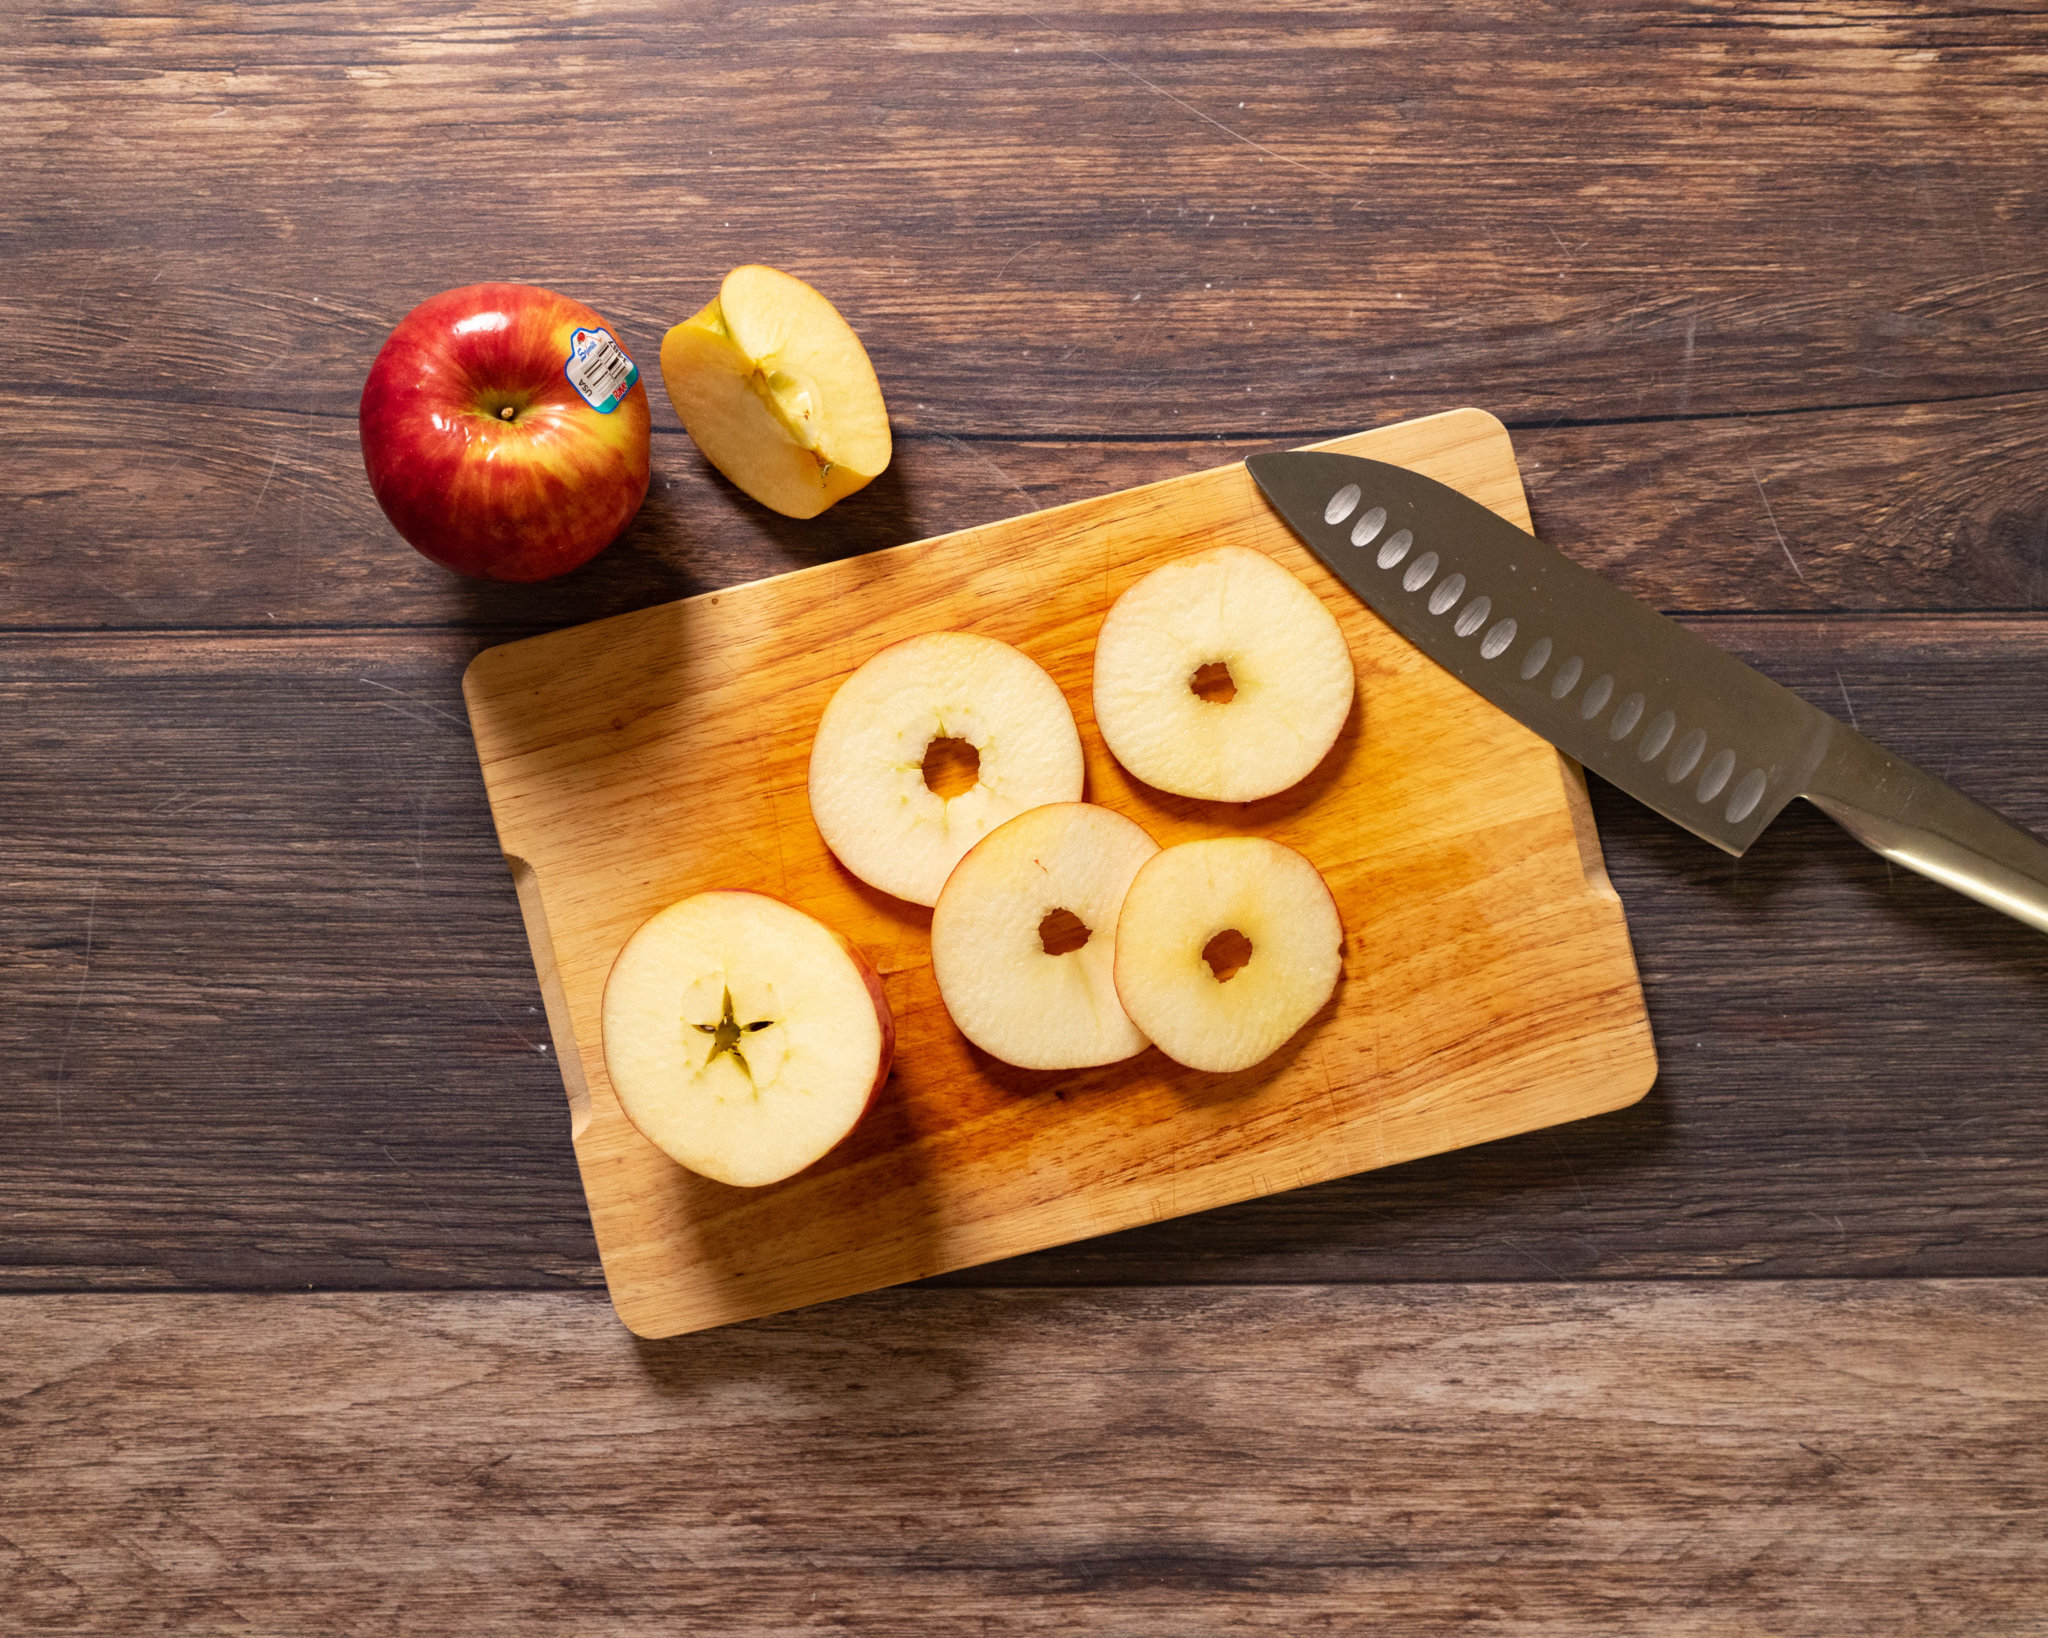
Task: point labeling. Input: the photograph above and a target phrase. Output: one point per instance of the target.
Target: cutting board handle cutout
(556, 999)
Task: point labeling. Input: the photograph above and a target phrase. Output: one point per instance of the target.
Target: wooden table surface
(302, 1327)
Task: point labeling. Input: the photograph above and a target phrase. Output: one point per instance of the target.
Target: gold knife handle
(1914, 819)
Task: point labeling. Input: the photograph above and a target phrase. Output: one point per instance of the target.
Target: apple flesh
(1221, 676)
(878, 796)
(1025, 934)
(481, 449)
(744, 1039)
(1225, 948)
(777, 391)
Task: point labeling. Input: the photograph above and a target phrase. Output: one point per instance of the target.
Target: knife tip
(1265, 468)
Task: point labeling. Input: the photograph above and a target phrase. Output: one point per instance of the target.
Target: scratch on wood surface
(991, 465)
(1780, 533)
(1521, 1250)
(92, 906)
(411, 700)
(427, 1196)
(1161, 91)
(1573, 1170)
(1692, 329)
(274, 459)
(187, 807)
(517, 1033)
(1021, 250)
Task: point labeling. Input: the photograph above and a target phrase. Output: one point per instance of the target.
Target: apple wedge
(1024, 937)
(1226, 947)
(927, 748)
(778, 393)
(1221, 676)
(744, 1038)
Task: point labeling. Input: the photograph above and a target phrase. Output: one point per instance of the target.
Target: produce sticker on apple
(599, 370)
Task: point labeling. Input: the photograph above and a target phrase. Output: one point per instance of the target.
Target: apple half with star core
(1225, 948)
(778, 392)
(1221, 676)
(1024, 937)
(928, 747)
(743, 1038)
(505, 431)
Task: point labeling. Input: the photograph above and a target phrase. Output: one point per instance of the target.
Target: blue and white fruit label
(599, 370)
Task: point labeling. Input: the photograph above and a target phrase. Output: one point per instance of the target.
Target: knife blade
(1674, 720)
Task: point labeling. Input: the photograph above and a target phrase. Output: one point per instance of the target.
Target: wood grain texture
(1763, 292)
(243, 880)
(1488, 986)
(1208, 218)
(1805, 1458)
(272, 1018)
(233, 518)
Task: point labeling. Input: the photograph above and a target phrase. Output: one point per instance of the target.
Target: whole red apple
(505, 431)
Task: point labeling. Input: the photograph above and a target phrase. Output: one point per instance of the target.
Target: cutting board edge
(1627, 1049)
(652, 1310)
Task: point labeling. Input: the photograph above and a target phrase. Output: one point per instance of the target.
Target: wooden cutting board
(1489, 987)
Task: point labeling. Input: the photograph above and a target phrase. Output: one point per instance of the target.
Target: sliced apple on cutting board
(1221, 676)
(744, 1038)
(778, 393)
(1024, 937)
(1225, 948)
(928, 747)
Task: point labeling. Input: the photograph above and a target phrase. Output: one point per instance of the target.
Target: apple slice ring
(743, 1038)
(1024, 937)
(1225, 948)
(1221, 676)
(928, 747)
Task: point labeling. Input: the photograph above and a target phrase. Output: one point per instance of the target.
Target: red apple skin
(521, 499)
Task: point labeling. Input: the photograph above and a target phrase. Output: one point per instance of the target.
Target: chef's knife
(1675, 721)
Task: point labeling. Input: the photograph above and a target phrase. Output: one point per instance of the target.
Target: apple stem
(507, 413)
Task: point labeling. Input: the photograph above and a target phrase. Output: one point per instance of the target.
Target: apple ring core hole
(1213, 683)
(1062, 932)
(952, 767)
(1227, 954)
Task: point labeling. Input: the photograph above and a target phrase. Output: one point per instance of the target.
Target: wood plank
(255, 518)
(272, 1019)
(1797, 1458)
(245, 880)
(1487, 983)
(1205, 219)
